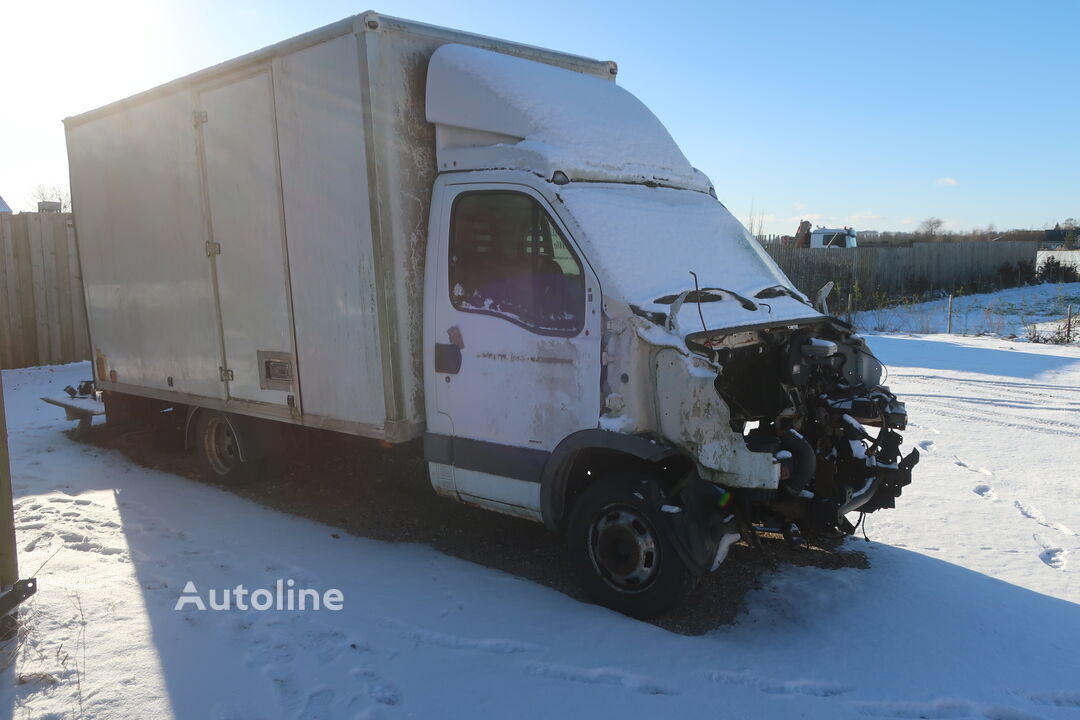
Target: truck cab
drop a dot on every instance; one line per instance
(822, 238)
(608, 351)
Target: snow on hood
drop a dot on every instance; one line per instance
(587, 127)
(645, 241)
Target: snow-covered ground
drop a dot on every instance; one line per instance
(1014, 312)
(969, 609)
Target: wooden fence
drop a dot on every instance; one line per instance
(872, 274)
(42, 306)
(43, 311)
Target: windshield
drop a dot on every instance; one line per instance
(649, 239)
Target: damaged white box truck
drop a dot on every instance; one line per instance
(397, 231)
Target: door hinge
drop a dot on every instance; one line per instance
(212, 248)
(198, 117)
(226, 374)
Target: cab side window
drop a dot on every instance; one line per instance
(507, 258)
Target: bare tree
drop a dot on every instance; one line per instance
(930, 227)
(755, 224)
(52, 193)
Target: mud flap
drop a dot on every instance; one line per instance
(702, 524)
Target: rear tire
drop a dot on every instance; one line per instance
(623, 550)
(218, 443)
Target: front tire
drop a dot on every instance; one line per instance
(623, 550)
(223, 459)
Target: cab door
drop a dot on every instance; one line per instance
(514, 356)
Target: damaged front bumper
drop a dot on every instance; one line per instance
(784, 427)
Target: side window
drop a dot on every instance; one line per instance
(507, 258)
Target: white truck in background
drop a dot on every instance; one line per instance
(822, 238)
(396, 231)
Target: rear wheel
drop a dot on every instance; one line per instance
(623, 550)
(222, 457)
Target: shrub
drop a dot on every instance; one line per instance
(1054, 271)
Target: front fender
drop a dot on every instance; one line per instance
(693, 416)
(555, 476)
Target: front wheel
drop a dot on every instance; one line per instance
(222, 458)
(623, 550)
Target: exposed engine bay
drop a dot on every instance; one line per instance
(811, 396)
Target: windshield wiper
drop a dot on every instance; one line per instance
(694, 296)
(779, 290)
(705, 295)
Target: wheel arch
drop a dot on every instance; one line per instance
(239, 431)
(189, 426)
(558, 481)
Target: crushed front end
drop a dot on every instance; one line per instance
(810, 397)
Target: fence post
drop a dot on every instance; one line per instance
(1068, 326)
(9, 559)
(949, 325)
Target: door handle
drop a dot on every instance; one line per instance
(447, 358)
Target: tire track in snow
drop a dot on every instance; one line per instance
(1049, 427)
(1055, 698)
(601, 676)
(770, 686)
(1024, 387)
(941, 708)
(457, 642)
(979, 411)
(1002, 401)
(1017, 396)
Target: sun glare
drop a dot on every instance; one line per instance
(71, 58)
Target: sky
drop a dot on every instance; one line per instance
(871, 114)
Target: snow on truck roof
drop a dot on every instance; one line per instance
(368, 22)
(587, 127)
